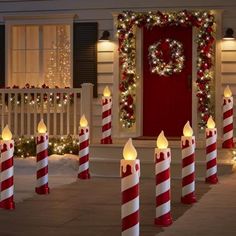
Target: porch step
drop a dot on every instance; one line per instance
(105, 160)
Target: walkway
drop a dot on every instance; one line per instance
(92, 208)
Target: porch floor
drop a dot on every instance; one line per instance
(92, 207)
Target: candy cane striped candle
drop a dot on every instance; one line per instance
(7, 170)
(130, 174)
(42, 159)
(106, 116)
(211, 152)
(83, 149)
(188, 165)
(228, 104)
(162, 172)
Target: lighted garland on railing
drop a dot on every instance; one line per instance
(25, 147)
(127, 22)
(31, 99)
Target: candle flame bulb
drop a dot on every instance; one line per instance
(211, 123)
(187, 131)
(227, 92)
(129, 151)
(162, 142)
(42, 128)
(83, 121)
(106, 92)
(6, 134)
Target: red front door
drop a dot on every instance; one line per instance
(167, 100)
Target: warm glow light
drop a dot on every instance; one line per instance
(227, 92)
(162, 142)
(106, 92)
(129, 151)
(188, 131)
(42, 128)
(83, 121)
(6, 134)
(211, 123)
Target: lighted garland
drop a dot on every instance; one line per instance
(128, 21)
(25, 147)
(37, 99)
(175, 61)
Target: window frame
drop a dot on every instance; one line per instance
(11, 21)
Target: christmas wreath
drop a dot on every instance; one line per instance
(166, 57)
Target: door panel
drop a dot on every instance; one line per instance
(167, 101)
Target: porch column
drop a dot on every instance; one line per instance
(86, 104)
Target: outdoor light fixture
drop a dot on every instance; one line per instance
(105, 36)
(229, 34)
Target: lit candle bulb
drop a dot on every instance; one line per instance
(130, 173)
(162, 171)
(7, 170)
(83, 149)
(211, 152)
(228, 119)
(188, 165)
(42, 159)
(106, 116)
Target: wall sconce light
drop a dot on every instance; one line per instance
(105, 36)
(229, 34)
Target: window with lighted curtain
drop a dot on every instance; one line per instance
(40, 54)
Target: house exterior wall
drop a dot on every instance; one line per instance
(103, 12)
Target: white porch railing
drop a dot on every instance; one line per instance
(61, 109)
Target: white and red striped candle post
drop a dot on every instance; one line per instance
(83, 149)
(42, 159)
(228, 104)
(7, 171)
(188, 165)
(162, 172)
(106, 116)
(211, 152)
(130, 174)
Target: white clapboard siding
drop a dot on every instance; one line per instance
(228, 45)
(105, 57)
(228, 67)
(105, 46)
(105, 78)
(103, 24)
(105, 68)
(228, 56)
(227, 78)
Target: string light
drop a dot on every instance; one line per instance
(26, 146)
(33, 99)
(128, 20)
(59, 66)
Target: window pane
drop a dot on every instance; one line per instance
(43, 52)
(33, 79)
(18, 37)
(32, 61)
(32, 37)
(18, 79)
(49, 36)
(18, 61)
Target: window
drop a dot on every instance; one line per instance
(40, 54)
